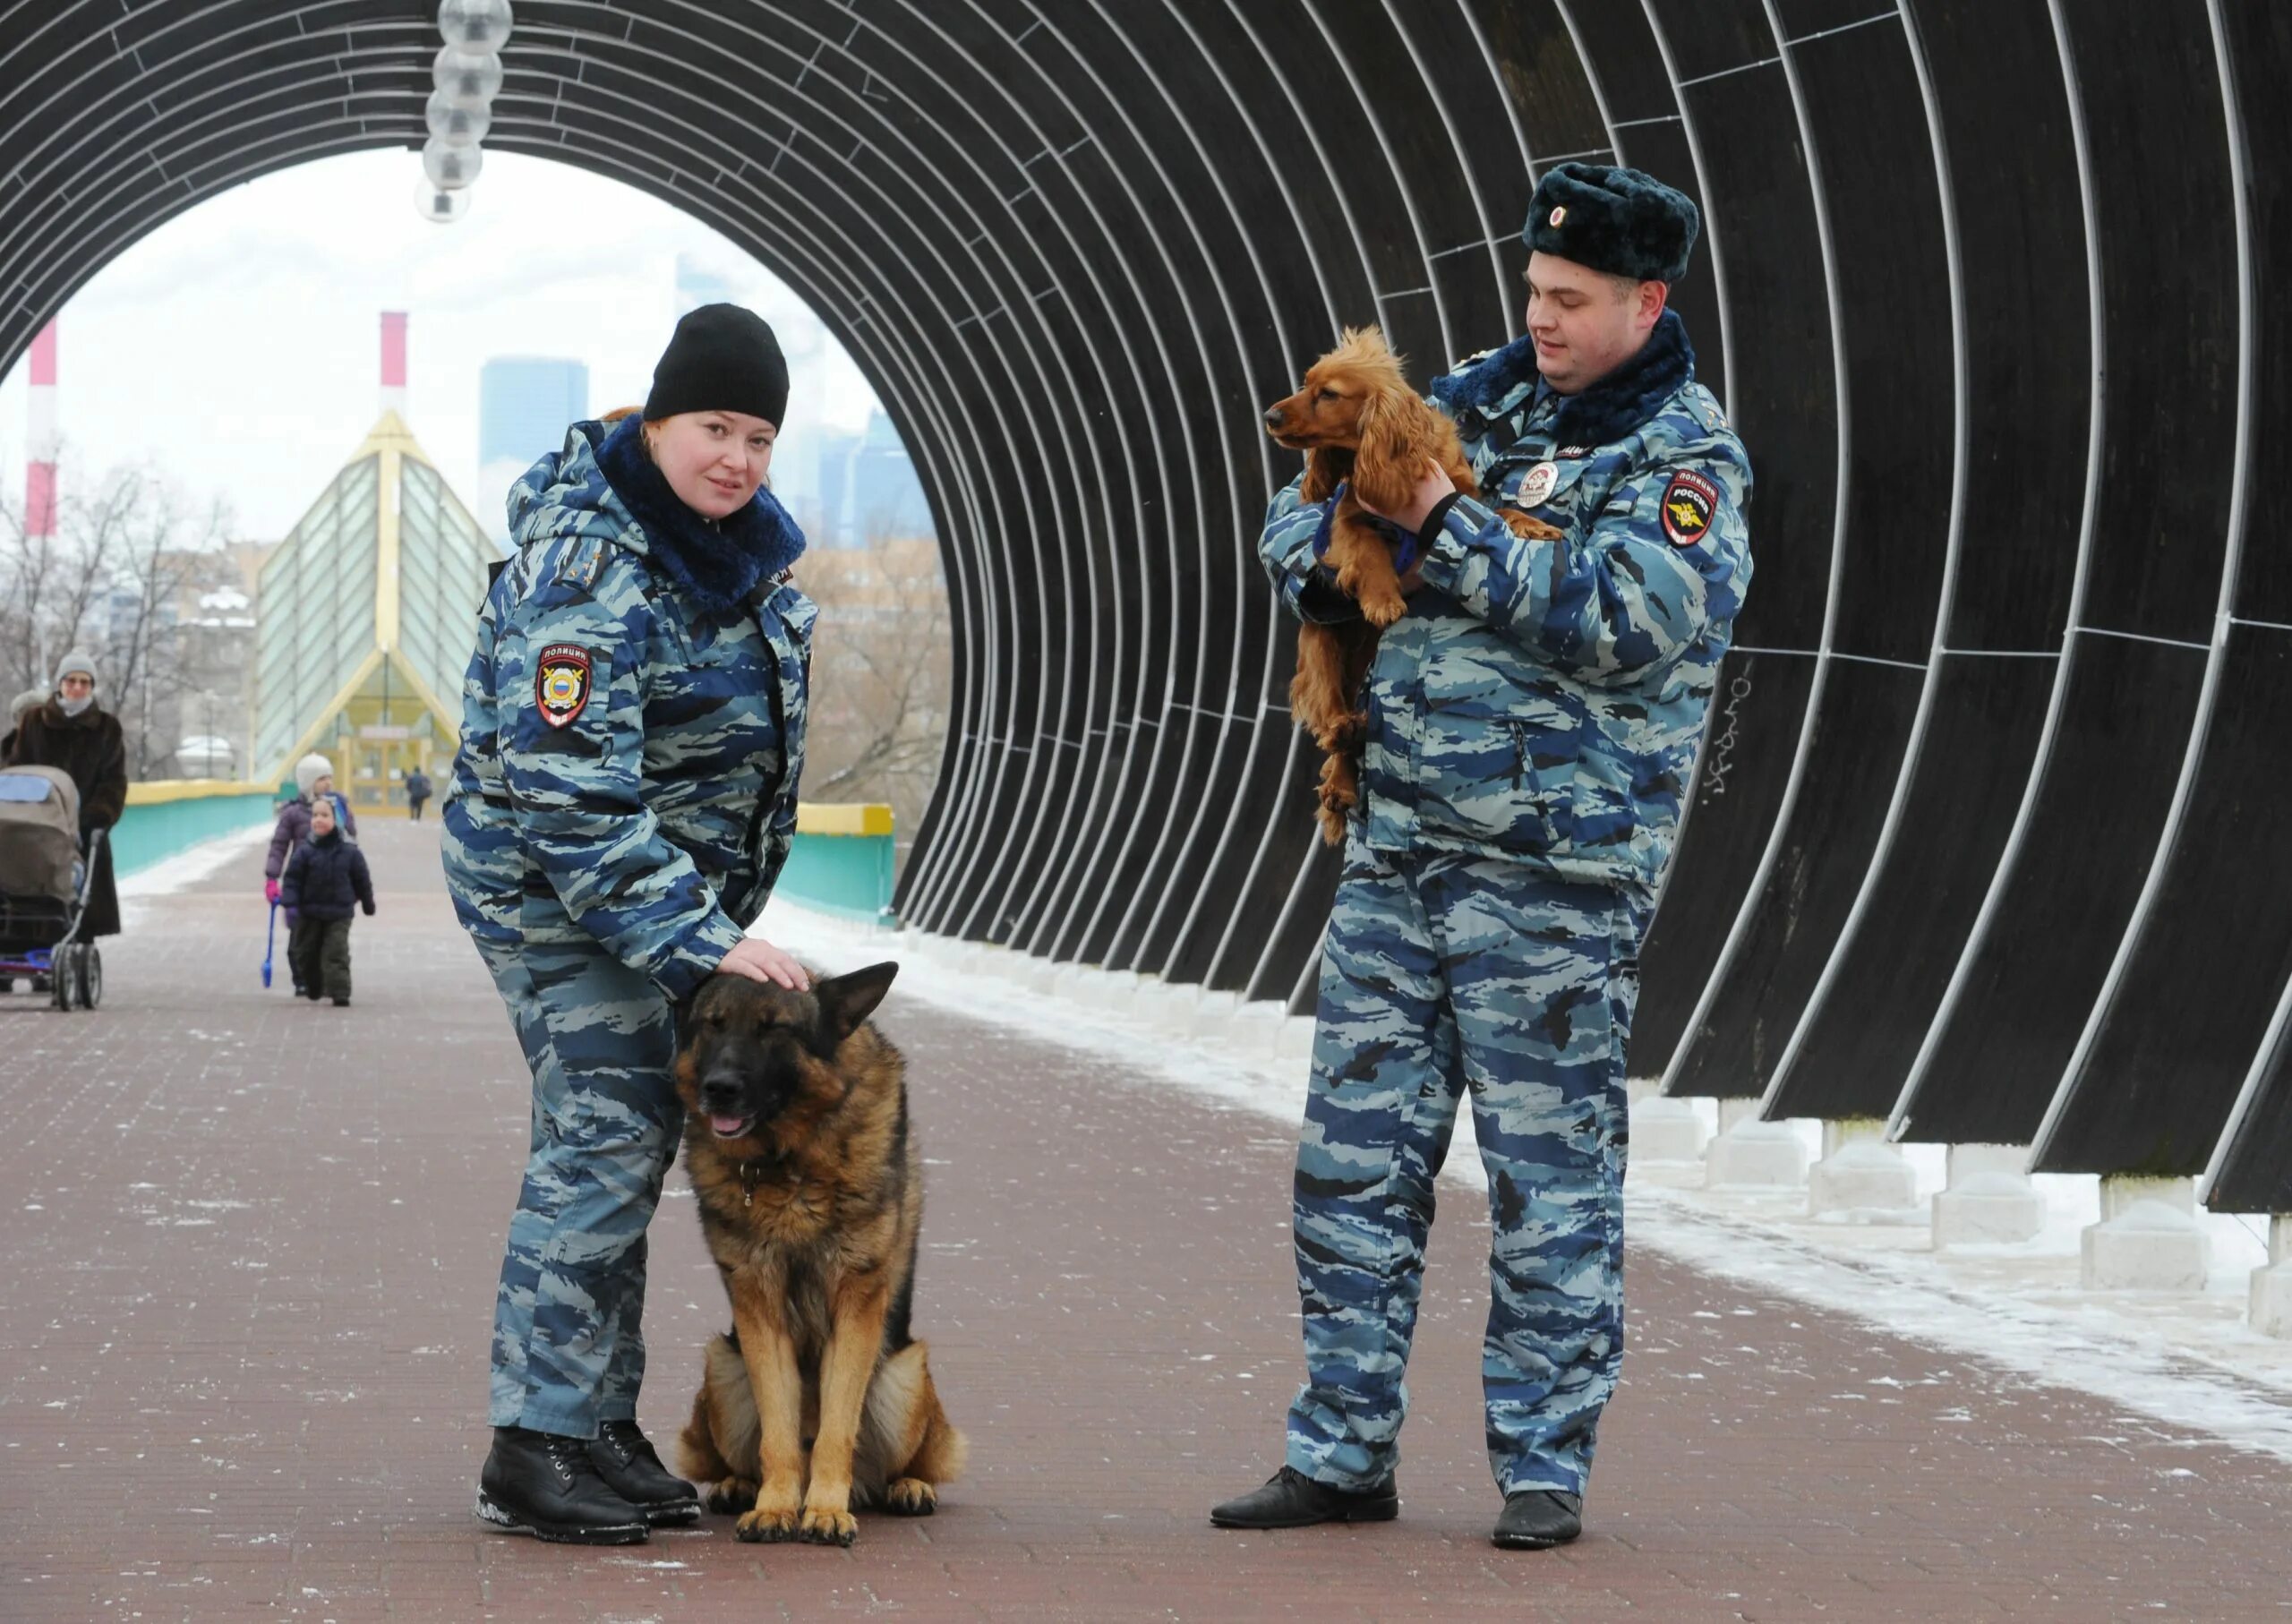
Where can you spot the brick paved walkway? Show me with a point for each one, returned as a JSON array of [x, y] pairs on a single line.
[[247, 1251]]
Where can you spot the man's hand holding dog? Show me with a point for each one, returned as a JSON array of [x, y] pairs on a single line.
[[1431, 490], [759, 961]]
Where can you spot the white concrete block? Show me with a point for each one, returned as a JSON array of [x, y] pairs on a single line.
[[1732, 1113], [1166, 1012], [1297, 1041], [1988, 1208], [1666, 1131], [1256, 1031], [1755, 1154], [2122, 1191], [2148, 1238], [1114, 991], [2272, 1306], [1212, 1015], [1991, 1200], [1864, 1175]]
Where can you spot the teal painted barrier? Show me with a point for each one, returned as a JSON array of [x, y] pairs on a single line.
[[842, 862], [162, 819]]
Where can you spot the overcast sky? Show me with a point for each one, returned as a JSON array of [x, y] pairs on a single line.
[[237, 348]]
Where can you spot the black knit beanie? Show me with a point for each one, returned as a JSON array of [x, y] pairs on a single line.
[[721, 358]]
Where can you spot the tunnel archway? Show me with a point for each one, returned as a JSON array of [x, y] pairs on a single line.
[[1075, 246]]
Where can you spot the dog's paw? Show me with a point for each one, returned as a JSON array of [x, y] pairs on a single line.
[[1529, 528], [1381, 608], [730, 1496], [821, 1526], [910, 1496], [766, 1527]]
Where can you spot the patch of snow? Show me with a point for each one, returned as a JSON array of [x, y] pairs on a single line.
[[187, 867]]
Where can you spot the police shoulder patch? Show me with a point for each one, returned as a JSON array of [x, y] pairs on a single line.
[[562, 680], [1690, 501]]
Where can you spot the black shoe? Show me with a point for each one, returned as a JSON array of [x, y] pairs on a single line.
[[545, 1485], [1536, 1519], [1291, 1500], [625, 1460], [342, 1001]]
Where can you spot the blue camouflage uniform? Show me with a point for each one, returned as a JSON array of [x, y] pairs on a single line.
[[622, 800], [1532, 723]]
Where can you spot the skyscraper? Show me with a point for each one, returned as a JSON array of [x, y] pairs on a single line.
[[524, 404]]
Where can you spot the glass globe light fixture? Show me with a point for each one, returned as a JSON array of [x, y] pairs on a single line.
[[450, 168], [456, 126], [441, 208], [468, 78], [474, 25]]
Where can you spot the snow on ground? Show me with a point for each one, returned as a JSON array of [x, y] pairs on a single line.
[[189, 866], [2186, 1359]]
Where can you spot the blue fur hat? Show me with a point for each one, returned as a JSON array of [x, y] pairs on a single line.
[[1615, 220]]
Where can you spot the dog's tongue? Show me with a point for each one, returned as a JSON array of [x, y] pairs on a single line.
[[726, 1126]]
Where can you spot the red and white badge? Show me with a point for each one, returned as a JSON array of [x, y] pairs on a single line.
[[561, 683], [1690, 501], [1535, 489]]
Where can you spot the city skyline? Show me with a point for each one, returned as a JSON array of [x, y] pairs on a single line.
[[233, 351]]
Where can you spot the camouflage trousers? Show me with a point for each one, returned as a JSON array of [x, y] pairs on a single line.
[[1441, 974], [569, 1349]]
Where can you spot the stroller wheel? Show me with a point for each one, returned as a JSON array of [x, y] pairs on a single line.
[[60, 978], [91, 976]]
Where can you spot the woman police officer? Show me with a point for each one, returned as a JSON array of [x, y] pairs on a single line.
[[622, 799]]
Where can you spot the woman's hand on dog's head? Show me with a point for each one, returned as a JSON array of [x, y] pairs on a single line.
[[759, 961], [1431, 488]]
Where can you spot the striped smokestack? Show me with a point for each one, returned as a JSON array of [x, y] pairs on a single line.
[[394, 363], [39, 472]]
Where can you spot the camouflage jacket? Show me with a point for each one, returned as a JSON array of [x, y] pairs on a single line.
[[629, 755], [1542, 701]]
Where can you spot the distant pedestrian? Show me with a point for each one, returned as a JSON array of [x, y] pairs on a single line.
[[22, 705], [325, 882], [68, 730], [417, 790], [313, 779]]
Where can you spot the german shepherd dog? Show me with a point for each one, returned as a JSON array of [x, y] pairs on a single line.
[[1359, 422], [811, 1186]]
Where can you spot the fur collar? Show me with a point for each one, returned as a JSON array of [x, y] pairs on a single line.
[[720, 564], [1606, 413]]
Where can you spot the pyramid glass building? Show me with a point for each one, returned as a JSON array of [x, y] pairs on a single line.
[[368, 614]]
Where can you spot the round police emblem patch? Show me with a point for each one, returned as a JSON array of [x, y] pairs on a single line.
[[1535, 489], [562, 682], [1558, 214], [1689, 502]]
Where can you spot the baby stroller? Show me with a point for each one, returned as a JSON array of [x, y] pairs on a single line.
[[44, 882]]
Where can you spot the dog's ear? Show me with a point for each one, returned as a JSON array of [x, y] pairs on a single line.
[[1323, 470], [845, 1001], [686, 1010], [1397, 436]]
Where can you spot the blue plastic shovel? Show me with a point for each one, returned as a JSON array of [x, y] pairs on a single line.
[[269, 937]]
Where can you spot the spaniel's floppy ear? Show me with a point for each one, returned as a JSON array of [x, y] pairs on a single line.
[[1396, 440], [1324, 467]]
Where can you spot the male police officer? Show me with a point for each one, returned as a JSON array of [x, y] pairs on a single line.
[[1533, 719]]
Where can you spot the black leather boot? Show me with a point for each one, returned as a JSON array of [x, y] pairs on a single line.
[[545, 1485], [1291, 1500], [1536, 1519], [628, 1462]]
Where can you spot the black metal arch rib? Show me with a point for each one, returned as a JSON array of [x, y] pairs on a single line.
[[1075, 246]]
